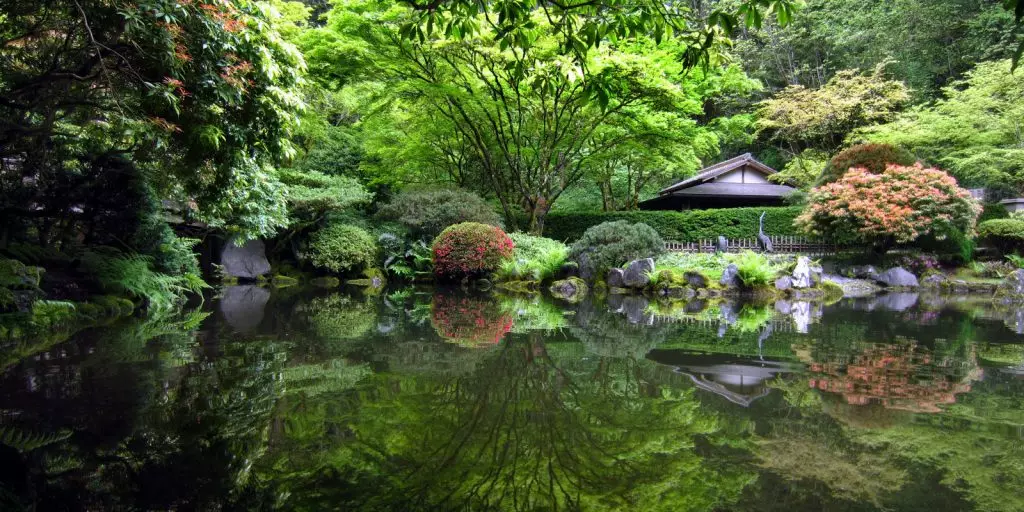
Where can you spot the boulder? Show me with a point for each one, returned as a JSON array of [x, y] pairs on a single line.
[[635, 308], [695, 279], [585, 267], [567, 270], [784, 283], [637, 273], [615, 278], [573, 289], [935, 280], [863, 272], [897, 277], [802, 273], [246, 261], [1012, 286], [730, 276], [817, 272], [679, 292]]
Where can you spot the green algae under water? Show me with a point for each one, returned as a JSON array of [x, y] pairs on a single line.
[[443, 400]]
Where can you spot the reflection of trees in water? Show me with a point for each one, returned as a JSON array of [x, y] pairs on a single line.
[[901, 375], [613, 334], [153, 423], [524, 431]]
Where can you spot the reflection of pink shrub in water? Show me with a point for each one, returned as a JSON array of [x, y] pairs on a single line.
[[469, 321], [896, 376]]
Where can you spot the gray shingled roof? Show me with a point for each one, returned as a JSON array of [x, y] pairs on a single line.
[[714, 171]]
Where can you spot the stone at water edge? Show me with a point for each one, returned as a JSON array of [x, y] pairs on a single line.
[[934, 280], [585, 267], [1012, 285], [572, 289], [898, 277], [802, 273], [730, 276], [637, 274], [695, 279], [615, 278], [247, 261], [784, 283]]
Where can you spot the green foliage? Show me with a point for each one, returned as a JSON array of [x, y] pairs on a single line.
[[754, 269], [992, 211], [873, 157], [690, 225], [614, 243], [312, 194], [134, 276], [15, 275], [973, 131], [802, 170], [707, 264], [821, 118], [340, 247], [1006, 235], [427, 212], [470, 249], [533, 259], [1016, 259]]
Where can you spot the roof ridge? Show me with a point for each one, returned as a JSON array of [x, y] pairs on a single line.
[[714, 170]]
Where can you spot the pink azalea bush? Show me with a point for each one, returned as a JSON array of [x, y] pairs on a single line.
[[470, 249], [897, 206]]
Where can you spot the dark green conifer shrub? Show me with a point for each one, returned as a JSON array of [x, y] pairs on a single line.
[[428, 212], [612, 244], [340, 247]]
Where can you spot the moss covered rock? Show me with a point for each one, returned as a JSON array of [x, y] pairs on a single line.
[[572, 289]]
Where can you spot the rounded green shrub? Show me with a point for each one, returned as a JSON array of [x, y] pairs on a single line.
[[611, 244], [1006, 235], [342, 248], [470, 249], [873, 157], [428, 212]]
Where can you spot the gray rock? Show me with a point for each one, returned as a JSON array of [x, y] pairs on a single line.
[[586, 267], [635, 308], [730, 276], [1012, 286], [898, 277], [567, 270], [934, 280], [784, 283], [615, 278], [695, 279], [783, 306], [637, 274], [863, 272], [816, 274], [242, 306], [802, 273], [723, 245], [246, 261], [695, 306], [571, 290]]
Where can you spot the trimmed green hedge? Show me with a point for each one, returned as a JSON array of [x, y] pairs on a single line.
[[685, 226], [1007, 235]]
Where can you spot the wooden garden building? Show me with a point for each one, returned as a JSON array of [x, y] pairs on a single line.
[[736, 182]]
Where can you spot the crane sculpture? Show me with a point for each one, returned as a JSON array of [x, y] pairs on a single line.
[[762, 239]]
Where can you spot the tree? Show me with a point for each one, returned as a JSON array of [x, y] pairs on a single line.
[[898, 206], [975, 131], [802, 118], [199, 96]]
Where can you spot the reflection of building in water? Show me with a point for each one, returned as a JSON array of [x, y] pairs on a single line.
[[901, 375], [740, 380]]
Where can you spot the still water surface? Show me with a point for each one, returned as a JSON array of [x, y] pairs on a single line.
[[444, 400]]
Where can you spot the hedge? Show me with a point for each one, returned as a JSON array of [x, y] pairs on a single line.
[[1007, 235], [684, 226]]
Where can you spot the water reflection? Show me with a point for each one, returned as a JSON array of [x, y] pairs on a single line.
[[440, 399]]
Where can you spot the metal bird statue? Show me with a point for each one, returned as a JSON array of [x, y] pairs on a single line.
[[762, 239]]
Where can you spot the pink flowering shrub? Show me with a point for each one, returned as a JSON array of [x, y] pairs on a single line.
[[894, 207], [470, 249]]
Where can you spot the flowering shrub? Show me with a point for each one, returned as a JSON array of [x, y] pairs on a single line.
[[469, 321], [896, 206], [470, 249], [872, 157]]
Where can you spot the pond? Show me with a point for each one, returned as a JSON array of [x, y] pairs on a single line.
[[430, 399]]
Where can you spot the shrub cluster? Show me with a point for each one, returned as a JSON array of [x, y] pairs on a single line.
[[873, 157], [895, 207], [685, 226], [535, 258], [427, 212], [612, 244], [470, 249], [340, 247], [1006, 235]]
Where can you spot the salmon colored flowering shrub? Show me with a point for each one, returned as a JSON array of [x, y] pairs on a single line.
[[469, 321], [894, 207], [470, 249]]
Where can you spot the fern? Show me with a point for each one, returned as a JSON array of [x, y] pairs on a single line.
[[133, 275], [25, 440]]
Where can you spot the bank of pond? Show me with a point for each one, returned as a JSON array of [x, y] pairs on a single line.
[[427, 397]]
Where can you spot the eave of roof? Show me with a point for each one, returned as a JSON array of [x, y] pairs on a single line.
[[716, 170], [717, 189]]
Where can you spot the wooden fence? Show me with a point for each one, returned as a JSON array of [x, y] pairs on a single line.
[[780, 244]]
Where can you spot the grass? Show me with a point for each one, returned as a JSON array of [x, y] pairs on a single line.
[[534, 259]]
